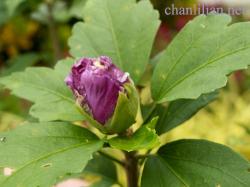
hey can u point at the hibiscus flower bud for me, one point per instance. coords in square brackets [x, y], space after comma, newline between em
[104, 92]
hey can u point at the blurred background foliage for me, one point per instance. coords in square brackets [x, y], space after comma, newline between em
[35, 33]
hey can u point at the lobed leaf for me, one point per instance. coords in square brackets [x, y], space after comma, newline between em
[46, 88]
[39, 154]
[122, 30]
[144, 138]
[200, 57]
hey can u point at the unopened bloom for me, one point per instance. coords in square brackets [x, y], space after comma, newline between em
[97, 84]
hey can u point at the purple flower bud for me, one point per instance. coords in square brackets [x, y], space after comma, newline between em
[96, 84]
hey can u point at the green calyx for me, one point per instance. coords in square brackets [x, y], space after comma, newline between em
[124, 115]
[125, 112]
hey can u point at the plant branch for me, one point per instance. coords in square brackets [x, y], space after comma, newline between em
[132, 169]
[142, 156]
[111, 158]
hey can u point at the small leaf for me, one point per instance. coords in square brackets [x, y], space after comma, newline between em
[153, 123]
[37, 153]
[179, 111]
[46, 88]
[200, 57]
[194, 163]
[122, 30]
[144, 138]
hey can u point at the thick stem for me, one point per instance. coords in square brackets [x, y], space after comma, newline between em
[132, 169]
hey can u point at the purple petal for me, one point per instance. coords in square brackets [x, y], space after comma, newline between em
[101, 95]
[96, 83]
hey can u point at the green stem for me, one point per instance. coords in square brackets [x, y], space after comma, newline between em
[132, 169]
[143, 156]
[111, 158]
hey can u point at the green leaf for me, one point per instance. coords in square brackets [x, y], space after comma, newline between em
[46, 88]
[179, 111]
[144, 138]
[99, 172]
[12, 5]
[196, 163]
[156, 58]
[102, 168]
[152, 123]
[77, 8]
[122, 30]
[200, 57]
[147, 111]
[63, 67]
[41, 153]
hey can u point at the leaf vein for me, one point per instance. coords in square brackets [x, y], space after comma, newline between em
[41, 158]
[203, 164]
[202, 66]
[114, 37]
